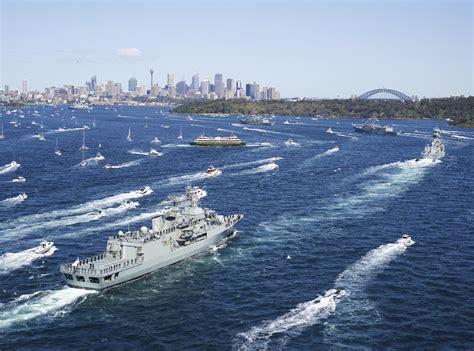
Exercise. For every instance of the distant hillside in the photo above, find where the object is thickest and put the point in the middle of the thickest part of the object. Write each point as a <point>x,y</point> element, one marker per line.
<point>459,109</point>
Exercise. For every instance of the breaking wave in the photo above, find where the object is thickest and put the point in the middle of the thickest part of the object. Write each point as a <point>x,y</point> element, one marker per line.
<point>11,261</point>
<point>31,306</point>
<point>348,285</point>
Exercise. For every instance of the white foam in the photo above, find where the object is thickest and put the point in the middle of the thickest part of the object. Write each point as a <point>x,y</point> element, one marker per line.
<point>39,304</point>
<point>251,163</point>
<point>10,167</point>
<point>11,261</point>
<point>85,208</point>
<point>12,201</point>
<point>306,314</point>
<point>261,169</point>
<point>461,137</point>
<point>138,152</point>
<point>128,164</point>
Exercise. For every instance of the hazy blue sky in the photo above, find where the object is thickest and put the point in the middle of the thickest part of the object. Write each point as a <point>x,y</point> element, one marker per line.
<point>304,48</point>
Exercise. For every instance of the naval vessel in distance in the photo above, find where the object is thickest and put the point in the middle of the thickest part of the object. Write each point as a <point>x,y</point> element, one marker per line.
<point>217,141</point>
<point>372,126</point>
<point>180,231</point>
<point>436,149</point>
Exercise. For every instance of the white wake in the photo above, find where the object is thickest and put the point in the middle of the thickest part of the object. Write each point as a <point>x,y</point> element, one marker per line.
<point>11,261</point>
<point>10,167</point>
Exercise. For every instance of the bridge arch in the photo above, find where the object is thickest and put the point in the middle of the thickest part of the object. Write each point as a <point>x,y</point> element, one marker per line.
<point>393,92</point>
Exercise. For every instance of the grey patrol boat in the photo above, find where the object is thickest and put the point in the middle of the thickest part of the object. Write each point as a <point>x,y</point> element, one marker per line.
<point>178,232</point>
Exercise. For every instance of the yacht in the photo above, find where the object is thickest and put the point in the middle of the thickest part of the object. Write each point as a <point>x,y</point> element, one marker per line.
<point>211,170</point>
<point>57,151</point>
<point>19,179</point>
<point>44,247</point>
<point>99,157</point>
<point>290,142</point>
<point>22,196</point>
<point>329,130</point>
<point>156,141</point>
<point>146,190</point>
<point>153,152</point>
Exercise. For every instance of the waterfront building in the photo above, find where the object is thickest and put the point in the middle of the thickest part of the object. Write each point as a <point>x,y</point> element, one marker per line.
<point>132,84</point>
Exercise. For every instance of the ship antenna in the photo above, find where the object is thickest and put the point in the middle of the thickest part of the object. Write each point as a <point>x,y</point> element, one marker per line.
<point>128,222</point>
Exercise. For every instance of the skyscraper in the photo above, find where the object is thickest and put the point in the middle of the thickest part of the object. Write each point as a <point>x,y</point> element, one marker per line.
<point>181,87</point>
<point>109,88</point>
<point>170,79</point>
<point>132,84</point>
<point>252,90</point>
<point>151,79</point>
<point>230,87</point>
<point>195,83</point>
<point>219,85</point>
<point>205,87</point>
<point>7,89</point>
<point>24,88</point>
<point>93,83</point>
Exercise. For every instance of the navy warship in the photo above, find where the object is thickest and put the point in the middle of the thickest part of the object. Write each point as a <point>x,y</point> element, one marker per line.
<point>372,126</point>
<point>435,150</point>
<point>179,231</point>
<point>256,120</point>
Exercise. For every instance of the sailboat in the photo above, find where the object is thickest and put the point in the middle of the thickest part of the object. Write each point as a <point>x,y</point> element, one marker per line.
<point>180,136</point>
<point>41,126</point>
<point>93,123</point>
<point>129,136</point>
<point>84,147</point>
<point>83,162</point>
<point>56,150</point>
<point>2,136</point>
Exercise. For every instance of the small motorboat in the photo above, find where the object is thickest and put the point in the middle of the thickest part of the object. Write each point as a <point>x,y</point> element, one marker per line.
<point>146,190</point>
<point>100,213</point>
<point>83,163</point>
<point>329,130</point>
<point>41,137</point>
<point>405,240</point>
<point>130,204</point>
<point>212,170</point>
<point>287,122</point>
<point>153,152</point>
<point>165,126</point>
<point>22,196</point>
<point>19,179</point>
<point>99,157</point>
<point>85,126</point>
<point>156,141</point>
<point>44,247</point>
<point>108,166</point>
<point>290,142</point>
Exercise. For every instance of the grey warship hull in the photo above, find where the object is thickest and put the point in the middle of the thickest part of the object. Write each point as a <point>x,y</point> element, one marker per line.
<point>179,232</point>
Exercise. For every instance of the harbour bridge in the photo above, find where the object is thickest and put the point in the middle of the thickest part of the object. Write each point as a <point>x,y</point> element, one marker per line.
<point>385,93</point>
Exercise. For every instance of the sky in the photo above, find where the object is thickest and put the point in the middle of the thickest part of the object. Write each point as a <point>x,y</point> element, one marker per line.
<point>318,49</point>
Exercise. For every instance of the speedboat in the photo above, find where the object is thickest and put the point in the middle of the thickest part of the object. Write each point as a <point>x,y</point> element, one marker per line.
<point>146,190</point>
<point>58,152</point>
<point>19,179</point>
<point>99,157</point>
<point>41,137</point>
<point>108,166</point>
<point>336,293</point>
<point>329,130</point>
<point>131,204</point>
<point>286,122</point>
<point>165,126</point>
<point>405,240</point>
<point>211,170</point>
<point>153,152</point>
<point>85,126</point>
<point>22,196</point>
<point>155,141</point>
<point>44,247</point>
<point>290,142</point>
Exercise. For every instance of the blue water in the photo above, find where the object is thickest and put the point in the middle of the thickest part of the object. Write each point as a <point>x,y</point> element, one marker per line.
<point>325,218</point>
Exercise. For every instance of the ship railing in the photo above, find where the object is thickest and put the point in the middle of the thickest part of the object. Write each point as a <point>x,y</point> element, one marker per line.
<point>106,270</point>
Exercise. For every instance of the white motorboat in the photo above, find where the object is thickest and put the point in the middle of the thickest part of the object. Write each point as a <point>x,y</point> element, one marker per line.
<point>44,247</point>
<point>22,196</point>
<point>153,152</point>
<point>99,157</point>
<point>155,141</point>
<point>290,142</point>
<point>329,130</point>
<point>212,171</point>
<point>287,122</point>
<point>165,126</point>
<point>19,179</point>
<point>405,240</point>
<point>108,166</point>
<point>41,137</point>
<point>146,190</point>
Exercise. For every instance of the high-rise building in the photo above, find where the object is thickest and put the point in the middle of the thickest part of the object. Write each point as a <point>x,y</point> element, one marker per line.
<point>155,90</point>
<point>252,90</point>
<point>170,79</point>
<point>93,83</point>
<point>141,90</point>
<point>24,86</point>
<point>109,88</point>
<point>219,85</point>
<point>7,89</point>
<point>132,84</point>
<point>195,83</point>
<point>230,84</point>
<point>205,85</point>
<point>181,87</point>
<point>171,91</point>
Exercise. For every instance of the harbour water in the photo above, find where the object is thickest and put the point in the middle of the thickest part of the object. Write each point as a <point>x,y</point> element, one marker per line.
<point>327,217</point>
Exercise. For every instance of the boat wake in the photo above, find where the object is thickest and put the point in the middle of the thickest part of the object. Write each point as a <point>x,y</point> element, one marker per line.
<point>12,201</point>
<point>390,181</point>
<point>137,152</point>
<point>251,163</point>
<point>10,167</point>
<point>49,302</point>
<point>261,169</point>
<point>86,208</point>
<point>11,261</point>
<point>128,164</point>
<point>347,290</point>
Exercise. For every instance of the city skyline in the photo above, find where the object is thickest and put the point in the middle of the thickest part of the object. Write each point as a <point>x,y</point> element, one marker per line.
<point>302,48</point>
